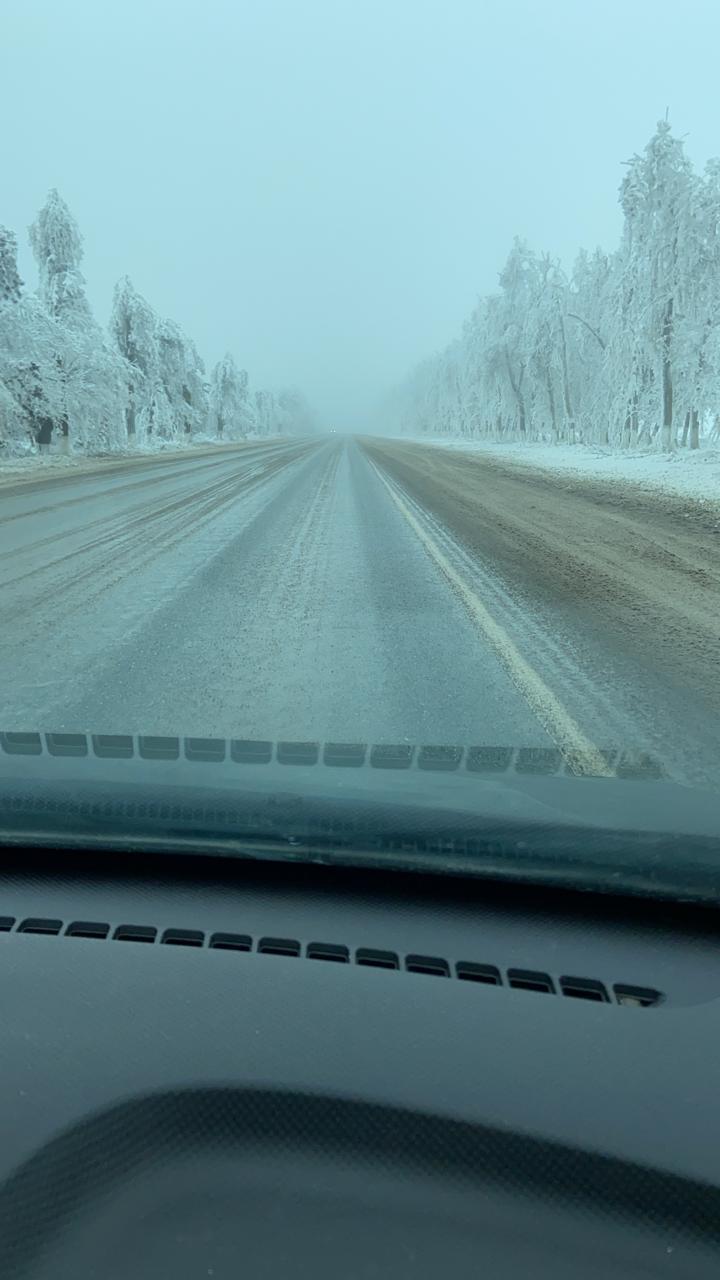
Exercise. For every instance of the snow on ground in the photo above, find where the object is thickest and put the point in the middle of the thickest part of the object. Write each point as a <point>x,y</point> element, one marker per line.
<point>693,474</point>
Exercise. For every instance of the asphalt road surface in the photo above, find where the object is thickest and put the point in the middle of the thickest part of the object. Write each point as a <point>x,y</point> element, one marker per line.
<point>362,591</point>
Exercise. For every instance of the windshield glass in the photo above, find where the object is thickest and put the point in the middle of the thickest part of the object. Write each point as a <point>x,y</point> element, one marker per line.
<point>360,425</point>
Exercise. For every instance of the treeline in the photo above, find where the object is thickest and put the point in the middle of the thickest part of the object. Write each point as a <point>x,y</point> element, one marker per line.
<point>624,351</point>
<point>62,378</point>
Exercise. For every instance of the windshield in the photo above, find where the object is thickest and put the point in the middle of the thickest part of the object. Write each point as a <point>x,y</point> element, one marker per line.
<point>360,426</point>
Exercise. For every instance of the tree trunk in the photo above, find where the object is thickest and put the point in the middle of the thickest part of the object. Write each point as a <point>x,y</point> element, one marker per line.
<point>630,428</point>
<point>667,387</point>
<point>551,402</point>
<point>516,386</point>
<point>686,428</point>
<point>694,429</point>
<point>521,415</point>
<point>570,416</point>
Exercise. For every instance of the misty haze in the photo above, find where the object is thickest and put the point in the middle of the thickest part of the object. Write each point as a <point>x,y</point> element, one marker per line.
<point>360,383</point>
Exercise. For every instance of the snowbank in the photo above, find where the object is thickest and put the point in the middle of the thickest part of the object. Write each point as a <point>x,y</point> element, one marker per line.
<point>690,473</point>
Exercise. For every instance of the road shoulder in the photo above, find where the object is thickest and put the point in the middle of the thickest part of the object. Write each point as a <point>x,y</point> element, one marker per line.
<point>19,474</point>
<point>681,482</point>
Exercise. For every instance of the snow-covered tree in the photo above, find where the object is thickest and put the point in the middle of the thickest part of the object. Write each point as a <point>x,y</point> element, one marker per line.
<point>91,414</point>
<point>266,413</point>
<point>182,375</point>
<point>63,379</point>
<point>10,282</point>
<point>166,388</point>
<point>296,416</point>
<point>133,327</point>
<point>232,413</point>
<point>32,396</point>
<point>625,350</point>
<point>57,245</point>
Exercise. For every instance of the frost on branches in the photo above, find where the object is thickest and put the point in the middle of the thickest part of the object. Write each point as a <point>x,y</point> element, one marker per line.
<point>66,383</point>
<point>624,351</point>
<point>232,413</point>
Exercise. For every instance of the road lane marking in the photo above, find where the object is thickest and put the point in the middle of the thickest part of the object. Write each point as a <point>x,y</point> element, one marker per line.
<point>581,754</point>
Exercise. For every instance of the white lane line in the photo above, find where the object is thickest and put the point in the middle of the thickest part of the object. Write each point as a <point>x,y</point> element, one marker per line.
<point>581,754</point>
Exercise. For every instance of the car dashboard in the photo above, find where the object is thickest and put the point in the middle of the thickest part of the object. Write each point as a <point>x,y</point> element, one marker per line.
<point>213,1067</point>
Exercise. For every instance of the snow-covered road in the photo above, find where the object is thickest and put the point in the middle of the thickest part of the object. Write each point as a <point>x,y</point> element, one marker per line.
<point>305,591</point>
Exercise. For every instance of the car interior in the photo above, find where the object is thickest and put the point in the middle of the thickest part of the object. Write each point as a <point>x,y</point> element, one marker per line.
<point>219,1066</point>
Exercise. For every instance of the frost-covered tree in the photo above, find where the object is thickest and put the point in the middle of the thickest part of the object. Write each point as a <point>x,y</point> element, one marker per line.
<point>13,420</point>
<point>62,378</point>
<point>232,413</point>
<point>166,388</point>
<point>659,264</point>
<point>133,327</point>
<point>32,398</point>
<point>270,419</point>
<point>57,245</point>
<point>296,417</point>
<point>10,282</point>
<point>625,350</point>
<point>182,374</point>
<point>93,389</point>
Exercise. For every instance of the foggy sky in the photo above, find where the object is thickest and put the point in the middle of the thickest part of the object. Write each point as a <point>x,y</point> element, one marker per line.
<point>324,187</point>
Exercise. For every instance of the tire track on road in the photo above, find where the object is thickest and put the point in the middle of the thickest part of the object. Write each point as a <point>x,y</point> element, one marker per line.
<point>129,519</point>
<point>135,543</point>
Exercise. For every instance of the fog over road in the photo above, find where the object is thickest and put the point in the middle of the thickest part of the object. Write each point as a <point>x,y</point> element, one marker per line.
<point>361,590</point>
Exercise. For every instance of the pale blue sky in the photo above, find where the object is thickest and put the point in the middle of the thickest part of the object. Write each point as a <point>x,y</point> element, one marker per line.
<point>325,187</point>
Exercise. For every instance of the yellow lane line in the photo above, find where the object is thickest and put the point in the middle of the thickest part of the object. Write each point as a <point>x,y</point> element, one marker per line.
<point>580,753</point>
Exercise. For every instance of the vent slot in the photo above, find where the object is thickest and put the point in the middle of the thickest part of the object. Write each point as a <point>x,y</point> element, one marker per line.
<point>156,748</point>
<point>327,951</point>
<point>87,929</point>
<point>398,756</point>
<point>367,957</point>
<point>636,997</point>
<point>210,749</point>
<point>34,925</point>
<point>246,751</point>
<point>441,758</point>
<point>584,989</point>
<point>538,760</point>
<point>135,933</point>
<point>373,959</point>
<point>297,752</point>
<point>183,938</point>
<point>279,947</point>
<point>529,980</point>
<point>21,744</point>
<point>488,759</point>
<point>344,755</point>
<point>434,966</point>
<point>231,942</point>
<point>486,973</point>
<point>66,744</point>
<point>113,746</point>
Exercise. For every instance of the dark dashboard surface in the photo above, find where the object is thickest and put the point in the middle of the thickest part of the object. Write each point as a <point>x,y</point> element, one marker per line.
<point>215,1070</point>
